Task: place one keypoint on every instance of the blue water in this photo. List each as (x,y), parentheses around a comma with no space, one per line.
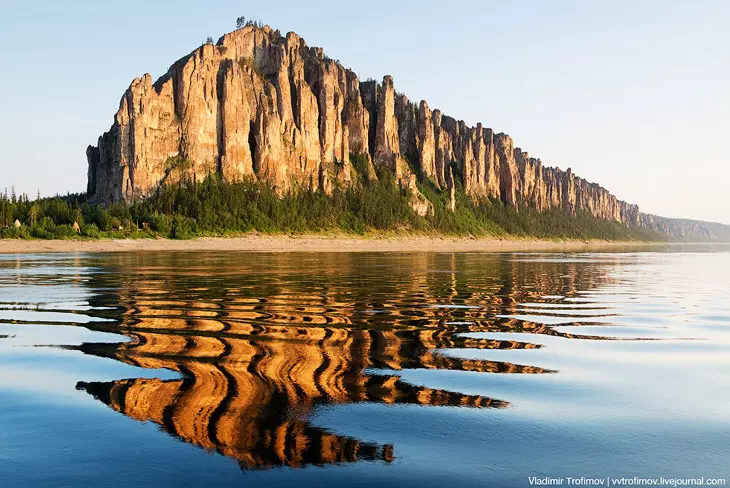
(358,369)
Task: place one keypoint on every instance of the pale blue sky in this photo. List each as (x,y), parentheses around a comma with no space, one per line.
(634,95)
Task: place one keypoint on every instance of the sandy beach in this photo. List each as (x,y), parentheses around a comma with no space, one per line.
(308,243)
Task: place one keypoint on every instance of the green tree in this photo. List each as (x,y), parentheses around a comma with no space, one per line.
(33,213)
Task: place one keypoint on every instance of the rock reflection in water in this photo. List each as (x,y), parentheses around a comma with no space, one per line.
(259,352)
(250,399)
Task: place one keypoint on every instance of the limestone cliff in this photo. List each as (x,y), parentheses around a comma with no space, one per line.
(264,106)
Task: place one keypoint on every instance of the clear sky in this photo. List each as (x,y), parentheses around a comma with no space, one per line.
(634,95)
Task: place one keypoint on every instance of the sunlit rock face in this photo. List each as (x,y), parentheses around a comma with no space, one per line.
(263,106)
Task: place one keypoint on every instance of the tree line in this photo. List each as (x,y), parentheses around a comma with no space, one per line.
(213,207)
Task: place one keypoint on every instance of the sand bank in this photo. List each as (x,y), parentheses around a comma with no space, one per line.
(308,243)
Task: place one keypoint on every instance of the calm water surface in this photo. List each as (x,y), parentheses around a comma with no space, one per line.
(360,369)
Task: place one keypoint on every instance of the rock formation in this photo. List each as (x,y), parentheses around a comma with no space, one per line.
(264,106)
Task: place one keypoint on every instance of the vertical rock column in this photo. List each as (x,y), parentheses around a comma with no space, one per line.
(427,145)
(387,146)
(508,172)
(355,117)
(406,114)
(443,153)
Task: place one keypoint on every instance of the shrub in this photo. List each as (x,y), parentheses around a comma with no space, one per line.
(161,223)
(99,216)
(90,230)
(183,227)
(44,229)
(64,231)
(10,233)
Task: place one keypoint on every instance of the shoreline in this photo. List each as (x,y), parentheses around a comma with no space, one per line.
(312,243)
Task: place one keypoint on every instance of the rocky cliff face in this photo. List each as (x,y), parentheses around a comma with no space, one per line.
(264,106)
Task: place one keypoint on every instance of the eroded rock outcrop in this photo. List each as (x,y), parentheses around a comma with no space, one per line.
(259,105)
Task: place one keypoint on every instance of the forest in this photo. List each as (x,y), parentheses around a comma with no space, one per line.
(213,207)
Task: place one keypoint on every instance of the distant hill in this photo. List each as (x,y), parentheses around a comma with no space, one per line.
(686,229)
